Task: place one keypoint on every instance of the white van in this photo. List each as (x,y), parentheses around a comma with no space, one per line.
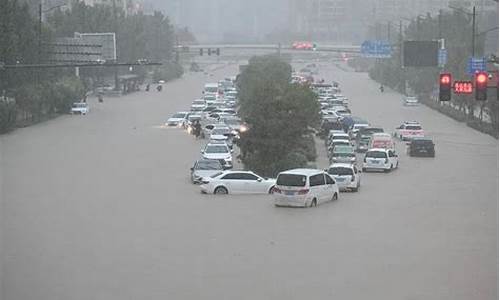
(304,187)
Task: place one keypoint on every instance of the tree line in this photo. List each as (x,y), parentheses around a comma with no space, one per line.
(281,117)
(35,94)
(456,29)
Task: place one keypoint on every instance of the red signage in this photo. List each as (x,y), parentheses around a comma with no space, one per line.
(462,87)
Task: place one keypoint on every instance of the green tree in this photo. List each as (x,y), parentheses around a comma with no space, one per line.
(281,117)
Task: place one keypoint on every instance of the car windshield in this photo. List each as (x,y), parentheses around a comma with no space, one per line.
(220,131)
(216,149)
(343,154)
(79,105)
(413,127)
(376,154)
(422,142)
(291,180)
(372,130)
(179,116)
(340,137)
(340,171)
(232,122)
(198,102)
(208,165)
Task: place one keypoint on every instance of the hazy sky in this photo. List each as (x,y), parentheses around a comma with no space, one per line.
(219,19)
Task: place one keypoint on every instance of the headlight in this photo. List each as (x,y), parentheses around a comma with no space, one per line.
(243,128)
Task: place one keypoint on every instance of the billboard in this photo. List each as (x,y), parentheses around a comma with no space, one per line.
(106,40)
(84,48)
(420,53)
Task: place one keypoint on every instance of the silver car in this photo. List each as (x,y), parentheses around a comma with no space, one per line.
(205,168)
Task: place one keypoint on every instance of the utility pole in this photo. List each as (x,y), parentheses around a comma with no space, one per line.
(439,23)
(473,31)
(39,58)
(389,31)
(117,82)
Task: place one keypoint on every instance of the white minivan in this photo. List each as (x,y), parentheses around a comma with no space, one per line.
(304,188)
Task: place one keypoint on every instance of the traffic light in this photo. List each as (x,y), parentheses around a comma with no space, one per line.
(445,87)
(481,86)
(209,51)
(201,51)
(218,51)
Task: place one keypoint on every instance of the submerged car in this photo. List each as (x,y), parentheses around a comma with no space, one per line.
(179,119)
(380,159)
(237,182)
(205,168)
(421,147)
(348,176)
(81,108)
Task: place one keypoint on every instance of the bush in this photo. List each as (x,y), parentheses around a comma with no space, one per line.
(168,71)
(7,115)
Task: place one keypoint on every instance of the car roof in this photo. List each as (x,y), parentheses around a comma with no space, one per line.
(381,135)
(213,144)
(342,165)
(378,150)
(303,171)
(344,149)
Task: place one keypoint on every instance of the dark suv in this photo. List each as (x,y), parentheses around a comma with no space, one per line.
(421,147)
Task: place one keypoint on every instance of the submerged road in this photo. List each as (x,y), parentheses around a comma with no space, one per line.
(100,207)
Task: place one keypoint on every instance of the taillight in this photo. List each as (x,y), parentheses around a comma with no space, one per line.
(276,190)
(303,192)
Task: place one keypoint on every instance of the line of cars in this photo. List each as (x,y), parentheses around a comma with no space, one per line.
(216,114)
(346,135)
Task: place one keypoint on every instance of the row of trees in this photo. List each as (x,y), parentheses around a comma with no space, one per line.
(281,117)
(455,27)
(36,94)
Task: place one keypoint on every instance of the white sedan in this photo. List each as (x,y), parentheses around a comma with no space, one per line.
(237,182)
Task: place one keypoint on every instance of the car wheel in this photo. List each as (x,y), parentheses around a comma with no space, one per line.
(314,203)
(335,197)
(271,190)
(221,191)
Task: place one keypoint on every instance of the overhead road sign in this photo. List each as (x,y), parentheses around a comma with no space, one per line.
(475,65)
(376,49)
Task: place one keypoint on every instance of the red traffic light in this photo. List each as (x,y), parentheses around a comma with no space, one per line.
(445,79)
(445,87)
(481,78)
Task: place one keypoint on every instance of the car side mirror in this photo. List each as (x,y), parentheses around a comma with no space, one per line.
(259,179)
(232,150)
(202,151)
(359,171)
(192,169)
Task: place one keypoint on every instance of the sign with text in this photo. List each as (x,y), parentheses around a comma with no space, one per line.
(462,87)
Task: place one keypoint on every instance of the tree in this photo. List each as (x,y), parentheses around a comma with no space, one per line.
(281,117)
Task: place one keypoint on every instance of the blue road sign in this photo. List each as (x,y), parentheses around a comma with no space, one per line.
(442,57)
(376,49)
(476,65)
